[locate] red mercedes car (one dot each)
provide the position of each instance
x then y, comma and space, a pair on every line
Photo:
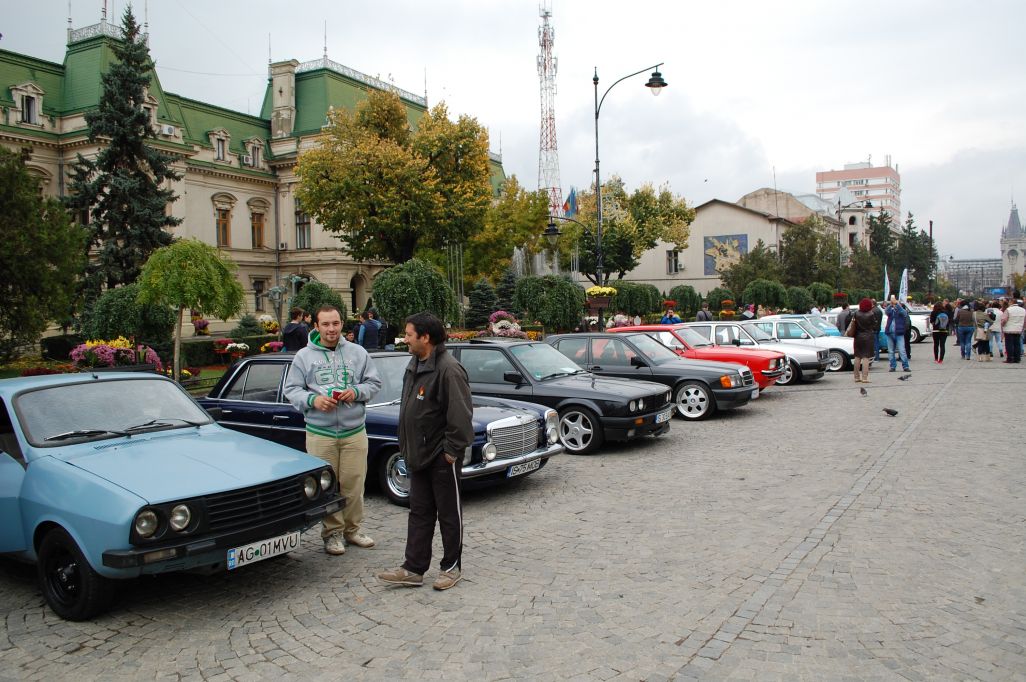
767, 365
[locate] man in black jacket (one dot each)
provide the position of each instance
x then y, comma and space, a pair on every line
435, 428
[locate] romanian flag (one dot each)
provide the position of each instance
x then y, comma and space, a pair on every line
570, 205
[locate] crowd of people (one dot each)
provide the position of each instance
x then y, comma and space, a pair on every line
371, 331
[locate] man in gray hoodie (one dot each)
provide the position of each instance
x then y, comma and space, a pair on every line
330, 382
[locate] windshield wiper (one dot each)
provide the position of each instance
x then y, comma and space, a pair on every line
81, 433
163, 421
561, 374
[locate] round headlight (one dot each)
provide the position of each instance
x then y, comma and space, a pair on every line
310, 487
146, 523
326, 479
552, 426
180, 518
641, 404
489, 451
633, 406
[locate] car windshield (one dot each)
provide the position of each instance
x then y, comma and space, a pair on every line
691, 337
814, 331
656, 352
543, 361
820, 323
391, 369
104, 409
756, 333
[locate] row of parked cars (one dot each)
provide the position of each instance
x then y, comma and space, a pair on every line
111, 475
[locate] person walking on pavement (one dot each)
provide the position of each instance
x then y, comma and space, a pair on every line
296, 332
964, 327
330, 382
994, 331
704, 315
879, 343
865, 339
940, 323
894, 330
1012, 331
367, 336
844, 317
980, 323
435, 428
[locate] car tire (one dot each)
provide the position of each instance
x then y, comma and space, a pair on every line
792, 374
579, 430
393, 479
694, 400
69, 584
914, 336
837, 360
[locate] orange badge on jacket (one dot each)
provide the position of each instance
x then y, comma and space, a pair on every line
420, 393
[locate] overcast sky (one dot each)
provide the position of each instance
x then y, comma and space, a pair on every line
794, 85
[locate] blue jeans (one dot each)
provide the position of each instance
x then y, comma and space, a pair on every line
965, 340
879, 344
896, 343
996, 347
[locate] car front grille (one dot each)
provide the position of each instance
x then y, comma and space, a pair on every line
515, 439
237, 508
746, 377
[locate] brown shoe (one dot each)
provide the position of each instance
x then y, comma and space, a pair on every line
447, 579
360, 540
400, 576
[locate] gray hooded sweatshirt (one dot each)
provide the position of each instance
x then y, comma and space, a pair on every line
317, 370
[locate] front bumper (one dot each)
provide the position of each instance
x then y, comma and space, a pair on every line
626, 428
773, 373
729, 398
211, 548
501, 465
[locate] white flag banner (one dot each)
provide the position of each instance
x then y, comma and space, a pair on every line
887, 285
903, 287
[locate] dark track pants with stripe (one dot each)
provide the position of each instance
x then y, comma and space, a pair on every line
435, 494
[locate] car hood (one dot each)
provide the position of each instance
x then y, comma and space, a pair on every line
723, 354
624, 388
792, 349
486, 410
184, 463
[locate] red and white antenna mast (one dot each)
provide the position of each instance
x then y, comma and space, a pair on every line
548, 150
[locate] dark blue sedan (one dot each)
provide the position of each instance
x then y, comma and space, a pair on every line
511, 438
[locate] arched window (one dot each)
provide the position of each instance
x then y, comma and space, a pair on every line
851, 220
223, 205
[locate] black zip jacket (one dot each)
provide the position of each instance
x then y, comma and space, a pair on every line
436, 413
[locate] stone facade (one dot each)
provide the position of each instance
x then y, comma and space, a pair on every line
1013, 248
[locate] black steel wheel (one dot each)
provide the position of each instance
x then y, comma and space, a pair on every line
70, 585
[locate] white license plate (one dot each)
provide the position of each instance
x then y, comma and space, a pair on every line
521, 469
664, 416
265, 549
755, 394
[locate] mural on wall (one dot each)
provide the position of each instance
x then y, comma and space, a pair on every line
723, 251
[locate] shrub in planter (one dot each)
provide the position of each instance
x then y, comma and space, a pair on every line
248, 326
118, 313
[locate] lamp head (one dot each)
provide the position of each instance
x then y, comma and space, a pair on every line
656, 83
551, 233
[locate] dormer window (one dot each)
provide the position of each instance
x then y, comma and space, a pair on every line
28, 97
255, 155
28, 110
220, 140
220, 156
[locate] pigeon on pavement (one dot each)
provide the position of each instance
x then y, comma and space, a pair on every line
890, 411
904, 377
863, 391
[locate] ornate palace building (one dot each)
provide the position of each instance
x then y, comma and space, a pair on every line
238, 186
1013, 248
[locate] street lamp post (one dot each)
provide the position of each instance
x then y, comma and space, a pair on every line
656, 83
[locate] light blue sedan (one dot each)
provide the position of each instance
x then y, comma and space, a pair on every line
107, 476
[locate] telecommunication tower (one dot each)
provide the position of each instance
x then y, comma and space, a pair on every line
548, 150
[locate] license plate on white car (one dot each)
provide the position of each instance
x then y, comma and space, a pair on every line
664, 416
521, 469
755, 394
265, 549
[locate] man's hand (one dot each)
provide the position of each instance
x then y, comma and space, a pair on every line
323, 403
449, 458
346, 396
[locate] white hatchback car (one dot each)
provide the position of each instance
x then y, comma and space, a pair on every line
840, 349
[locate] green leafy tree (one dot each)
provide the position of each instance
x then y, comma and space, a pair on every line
822, 293
881, 237
864, 271
915, 252
482, 304
631, 225
314, 295
765, 292
688, 300
799, 300
758, 263
385, 190
517, 219
118, 313
505, 289
190, 274
717, 296
809, 254
41, 261
125, 189
414, 287
553, 300
635, 298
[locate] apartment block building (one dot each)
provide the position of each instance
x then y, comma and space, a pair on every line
861, 182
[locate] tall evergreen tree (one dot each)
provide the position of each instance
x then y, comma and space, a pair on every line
124, 188
505, 290
482, 304
881, 237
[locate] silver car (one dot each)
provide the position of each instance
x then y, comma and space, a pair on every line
840, 349
803, 363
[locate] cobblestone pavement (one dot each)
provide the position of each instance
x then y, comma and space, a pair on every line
806, 536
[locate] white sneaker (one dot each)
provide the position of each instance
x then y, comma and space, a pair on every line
360, 540
335, 543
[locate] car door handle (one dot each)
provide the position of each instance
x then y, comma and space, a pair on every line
279, 418
597, 367
223, 411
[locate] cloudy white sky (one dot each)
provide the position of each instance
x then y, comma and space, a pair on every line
791, 85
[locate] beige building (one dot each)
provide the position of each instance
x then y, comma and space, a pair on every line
238, 186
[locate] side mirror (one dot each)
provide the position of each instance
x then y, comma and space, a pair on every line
638, 362
736, 342
214, 412
513, 378
804, 335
